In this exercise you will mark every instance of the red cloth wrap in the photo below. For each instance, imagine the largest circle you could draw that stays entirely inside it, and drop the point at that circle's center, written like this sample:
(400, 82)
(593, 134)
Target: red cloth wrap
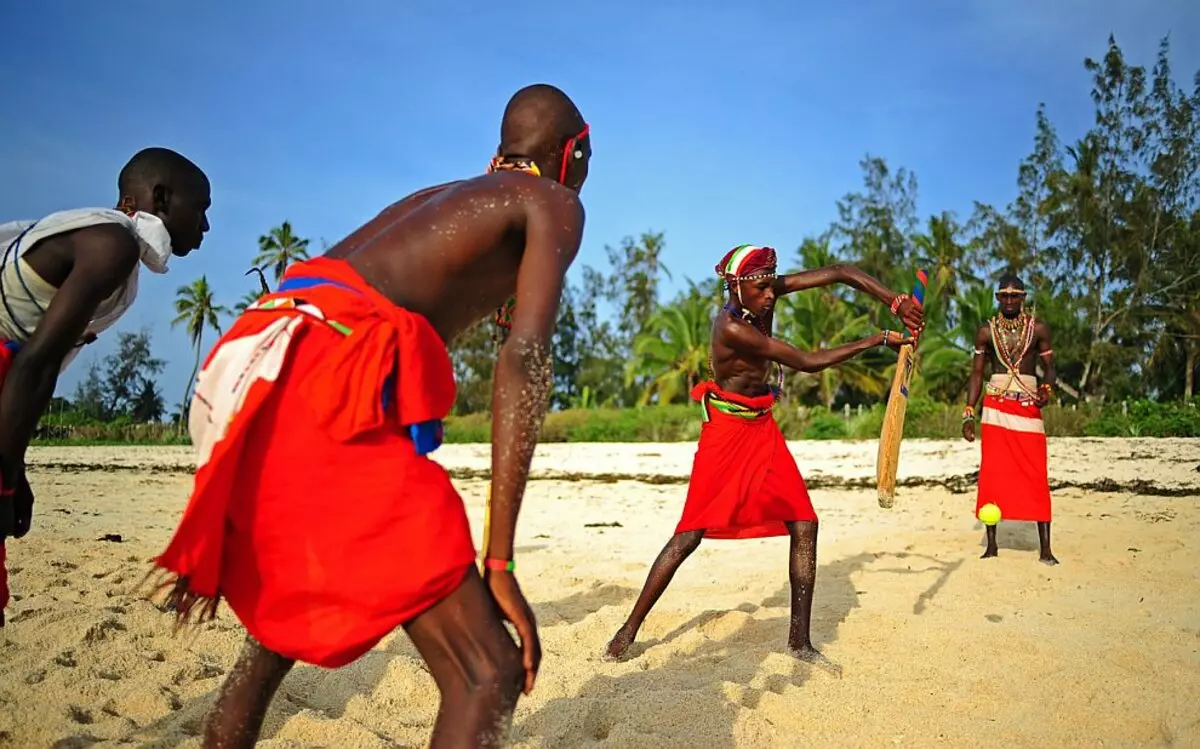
(744, 483)
(1013, 468)
(314, 517)
(6, 360)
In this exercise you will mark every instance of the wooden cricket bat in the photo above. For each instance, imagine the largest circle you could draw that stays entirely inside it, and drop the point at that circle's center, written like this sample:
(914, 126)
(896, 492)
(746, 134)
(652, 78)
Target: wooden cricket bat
(893, 417)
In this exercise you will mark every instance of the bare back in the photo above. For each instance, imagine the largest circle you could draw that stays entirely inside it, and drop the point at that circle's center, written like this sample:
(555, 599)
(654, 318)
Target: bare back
(452, 252)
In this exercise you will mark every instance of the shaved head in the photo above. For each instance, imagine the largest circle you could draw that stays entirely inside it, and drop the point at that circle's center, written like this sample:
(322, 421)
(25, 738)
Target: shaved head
(157, 166)
(538, 119)
(164, 183)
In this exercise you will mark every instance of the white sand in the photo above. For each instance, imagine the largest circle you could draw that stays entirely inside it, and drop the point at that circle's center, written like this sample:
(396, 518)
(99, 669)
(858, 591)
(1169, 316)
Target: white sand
(938, 647)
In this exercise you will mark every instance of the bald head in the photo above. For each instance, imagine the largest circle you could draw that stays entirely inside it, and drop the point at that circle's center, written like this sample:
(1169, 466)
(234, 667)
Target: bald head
(538, 119)
(164, 183)
(151, 166)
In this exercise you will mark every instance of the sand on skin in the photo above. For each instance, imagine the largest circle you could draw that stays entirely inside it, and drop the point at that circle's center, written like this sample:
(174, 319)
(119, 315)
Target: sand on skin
(938, 647)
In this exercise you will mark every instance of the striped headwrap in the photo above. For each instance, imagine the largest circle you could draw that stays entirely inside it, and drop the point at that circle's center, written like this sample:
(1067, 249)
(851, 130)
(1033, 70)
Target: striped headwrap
(747, 262)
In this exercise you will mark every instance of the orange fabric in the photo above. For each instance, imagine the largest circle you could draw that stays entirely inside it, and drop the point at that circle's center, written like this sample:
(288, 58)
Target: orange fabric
(1013, 470)
(745, 482)
(6, 360)
(314, 518)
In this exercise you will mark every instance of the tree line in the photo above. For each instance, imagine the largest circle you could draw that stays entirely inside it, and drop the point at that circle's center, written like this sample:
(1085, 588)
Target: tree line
(1104, 229)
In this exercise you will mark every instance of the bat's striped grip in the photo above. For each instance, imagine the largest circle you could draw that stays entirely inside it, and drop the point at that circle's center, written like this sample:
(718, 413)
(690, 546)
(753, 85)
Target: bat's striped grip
(918, 294)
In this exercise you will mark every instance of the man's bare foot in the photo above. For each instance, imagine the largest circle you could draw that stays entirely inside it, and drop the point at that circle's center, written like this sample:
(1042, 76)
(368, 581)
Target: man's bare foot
(989, 553)
(809, 654)
(619, 644)
(1048, 559)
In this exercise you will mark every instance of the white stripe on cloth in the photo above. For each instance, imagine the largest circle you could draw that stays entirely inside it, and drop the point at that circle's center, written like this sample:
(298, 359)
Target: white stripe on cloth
(1012, 422)
(221, 387)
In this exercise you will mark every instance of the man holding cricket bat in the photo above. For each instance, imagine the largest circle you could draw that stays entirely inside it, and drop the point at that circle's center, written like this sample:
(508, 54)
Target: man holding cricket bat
(1012, 473)
(745, 483)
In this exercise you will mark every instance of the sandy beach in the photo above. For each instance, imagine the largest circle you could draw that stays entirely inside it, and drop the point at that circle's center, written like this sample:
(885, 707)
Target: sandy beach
(937, 647)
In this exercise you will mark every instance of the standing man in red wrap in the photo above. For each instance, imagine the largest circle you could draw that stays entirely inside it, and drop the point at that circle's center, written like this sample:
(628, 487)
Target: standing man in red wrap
(1013, 471)
(745, 483)
(316, 513)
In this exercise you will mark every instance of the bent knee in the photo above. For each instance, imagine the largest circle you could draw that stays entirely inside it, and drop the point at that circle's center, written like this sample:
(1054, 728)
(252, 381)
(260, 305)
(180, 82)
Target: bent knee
(496, 673)
(688, 541)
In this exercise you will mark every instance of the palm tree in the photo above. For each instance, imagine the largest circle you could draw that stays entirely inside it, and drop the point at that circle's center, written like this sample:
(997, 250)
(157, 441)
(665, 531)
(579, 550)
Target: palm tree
(673, 352)
(196, 310)
(820, 319)
(249, 298)
(279, 248)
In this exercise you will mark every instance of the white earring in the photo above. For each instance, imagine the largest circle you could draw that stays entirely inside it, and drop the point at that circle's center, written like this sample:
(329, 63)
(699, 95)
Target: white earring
(579, 154)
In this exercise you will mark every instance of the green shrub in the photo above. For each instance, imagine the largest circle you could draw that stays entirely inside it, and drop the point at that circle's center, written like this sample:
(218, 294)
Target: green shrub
(924, 418)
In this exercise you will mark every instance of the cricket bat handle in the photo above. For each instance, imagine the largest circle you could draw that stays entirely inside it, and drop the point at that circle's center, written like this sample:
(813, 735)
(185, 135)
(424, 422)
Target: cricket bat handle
(918, 293)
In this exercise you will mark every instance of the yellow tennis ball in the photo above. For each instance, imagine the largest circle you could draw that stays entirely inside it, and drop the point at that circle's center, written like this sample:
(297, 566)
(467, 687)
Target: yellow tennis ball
(989, 514)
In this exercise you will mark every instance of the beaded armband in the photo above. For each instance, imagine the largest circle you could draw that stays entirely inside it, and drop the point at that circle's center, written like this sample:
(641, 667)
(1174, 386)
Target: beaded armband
(501, 565)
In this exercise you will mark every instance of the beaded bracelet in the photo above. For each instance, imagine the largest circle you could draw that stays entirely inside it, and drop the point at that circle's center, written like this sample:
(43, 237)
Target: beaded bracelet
(500, 565)
(968, 414)
(886, 335)
(898, 301)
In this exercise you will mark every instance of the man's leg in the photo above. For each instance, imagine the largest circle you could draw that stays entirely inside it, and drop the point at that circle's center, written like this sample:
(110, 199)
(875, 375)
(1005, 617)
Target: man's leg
(991, 550)
(1047, 557)
(236, 719)
(802, 570)
(475, 663)
(679, 548)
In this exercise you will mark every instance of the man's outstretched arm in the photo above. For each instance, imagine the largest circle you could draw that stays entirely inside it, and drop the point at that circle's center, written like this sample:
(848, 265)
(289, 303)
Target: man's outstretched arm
(854, 278)
(747, 340)
(104, 258)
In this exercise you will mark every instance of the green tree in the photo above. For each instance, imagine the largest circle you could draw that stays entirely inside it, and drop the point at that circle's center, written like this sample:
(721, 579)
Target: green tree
(126, 372)
(672, 354)
(196, 310)
(279, 248)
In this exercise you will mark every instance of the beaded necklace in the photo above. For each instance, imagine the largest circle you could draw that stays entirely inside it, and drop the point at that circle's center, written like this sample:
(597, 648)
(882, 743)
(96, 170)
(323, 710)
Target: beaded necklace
(1011, 340)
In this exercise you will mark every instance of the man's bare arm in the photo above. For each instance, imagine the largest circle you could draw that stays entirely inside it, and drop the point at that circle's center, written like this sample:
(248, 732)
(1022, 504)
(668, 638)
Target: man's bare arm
(104, 258)
(983, 339)
(1046, 353)
(524, 372)
(831, 274)
(747, 340)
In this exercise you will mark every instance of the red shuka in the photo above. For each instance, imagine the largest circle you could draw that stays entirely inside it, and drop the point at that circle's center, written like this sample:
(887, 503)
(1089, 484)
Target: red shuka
(1013, 469)
(6, 360)
(313, 516)
(744, 483)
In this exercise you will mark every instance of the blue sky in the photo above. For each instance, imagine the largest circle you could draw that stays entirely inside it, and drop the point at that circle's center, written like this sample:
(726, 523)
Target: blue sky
(713, 124)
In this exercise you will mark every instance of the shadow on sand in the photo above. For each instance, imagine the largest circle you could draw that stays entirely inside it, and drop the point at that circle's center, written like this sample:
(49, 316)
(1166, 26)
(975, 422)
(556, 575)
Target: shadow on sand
(328, 693)
(709, 684)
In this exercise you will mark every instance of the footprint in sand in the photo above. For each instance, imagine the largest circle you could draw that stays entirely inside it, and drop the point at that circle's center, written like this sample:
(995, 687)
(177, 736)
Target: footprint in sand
(66, 659)
(79, 715)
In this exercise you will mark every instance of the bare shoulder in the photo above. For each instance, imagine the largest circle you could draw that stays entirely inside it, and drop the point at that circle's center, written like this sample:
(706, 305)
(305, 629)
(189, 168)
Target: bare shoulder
(527, 194)
(1041, 328)
(738, 335)
(983, 336)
